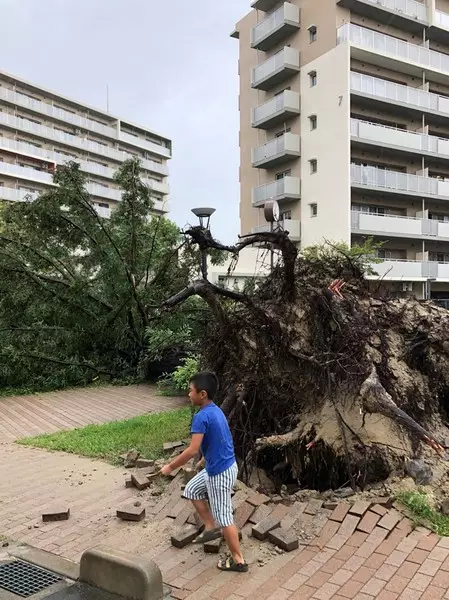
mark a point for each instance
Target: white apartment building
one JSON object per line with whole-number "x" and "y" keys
{"x": 40, "y": 129}
{"x": 344, "y": 120}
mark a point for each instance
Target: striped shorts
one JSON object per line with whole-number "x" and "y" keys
{"x": 217, "y": 489}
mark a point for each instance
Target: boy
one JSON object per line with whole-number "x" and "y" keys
{"x": 211, "y": 435}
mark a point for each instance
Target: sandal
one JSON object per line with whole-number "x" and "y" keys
{"x": 230, "y": 565}
{"x": 208, "y": 536}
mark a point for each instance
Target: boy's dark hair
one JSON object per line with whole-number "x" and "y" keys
{"x": 206, "y": 381}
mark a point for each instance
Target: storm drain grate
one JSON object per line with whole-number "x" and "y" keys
{"x": 24, "y": 580}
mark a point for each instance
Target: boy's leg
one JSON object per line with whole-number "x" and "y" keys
{"x": 219, "y": 488}
{"x": 196, "y": 491}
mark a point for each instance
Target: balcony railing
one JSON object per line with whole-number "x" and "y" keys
{"x": 398, "y": 49}
{"x": 146, "y": 144}
{"x": 15, "y": 195}
{"x": 395, "y": 92}
{"x": 287, "y": 187}
{"x": 275, "y": 27}
{"x": 395, "y": 181}
{"x": 409, "y": 141}
{"x": 400, "y": 226}
{"x": 14, "y": 170}
{"x": 411, "y": 8}
{"x": 281, "y": 148}
{"x": 442, "y": 19}
{"x": 68, "y": 139}
{"x": 276, "y": 110}
{"x": 276, "y": 69}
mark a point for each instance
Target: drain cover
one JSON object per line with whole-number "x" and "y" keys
{"x": 24, "y": 579}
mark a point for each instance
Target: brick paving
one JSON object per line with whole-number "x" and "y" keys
{"x": 22, "y": 416}
{"x": 354, "y": 556}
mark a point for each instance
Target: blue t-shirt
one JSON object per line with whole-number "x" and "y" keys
{"x": 217, "y": 446}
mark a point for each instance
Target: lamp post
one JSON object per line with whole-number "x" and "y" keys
{"x": 204, "y": 214}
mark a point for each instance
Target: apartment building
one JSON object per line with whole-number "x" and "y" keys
{"x": 40, "y": 129}
{"x": 344, "y": 120}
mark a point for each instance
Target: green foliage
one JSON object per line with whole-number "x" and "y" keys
{"x": 362, "y": 257}
{"x": 77, "y": 292}
{"x": 423, "y": 513}
{"x": 147, "y": 434}
{"x": 178, "y": 382}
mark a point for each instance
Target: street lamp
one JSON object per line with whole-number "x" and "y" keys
{"x": 204, "y": 214}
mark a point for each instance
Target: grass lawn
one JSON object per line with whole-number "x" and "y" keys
{"x": 147, "y": 434}
{"x": 422, "y": 513}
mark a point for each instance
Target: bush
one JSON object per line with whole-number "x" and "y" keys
{"x": 178, "y": 382}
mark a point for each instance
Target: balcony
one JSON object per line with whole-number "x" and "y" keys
{"x": 397, "y": 226}
{"x": 15, "y": 195}
{"x": 406, "y": 14}
{"x": 277, "y": 110}
{"x": 395, "y": 182}
{"x": 145, "y": 144}
{"x": 389, "y": 52}
{"x": 292, "y": 226}
{"x": 276, "y": 27}
{"x": 287, "y": 188}
{"x": 418, "y": 144}
{"x": 281, "y": 149}
{"x": 406, "y": 270}
{"x": 276, "y": 69}
{"x": 387, "y": 92}
{"x": 264, "y": 5}
{"x": 28, "y": 173}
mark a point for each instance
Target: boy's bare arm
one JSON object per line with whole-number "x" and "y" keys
{"x": 187, "y": 455}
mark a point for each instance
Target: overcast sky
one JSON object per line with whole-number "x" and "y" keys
{"x": 170, "y": 65}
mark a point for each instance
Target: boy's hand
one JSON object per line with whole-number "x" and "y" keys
{"x": 166, "y": 470}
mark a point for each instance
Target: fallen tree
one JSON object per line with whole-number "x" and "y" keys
{"x": 322, "y": 389}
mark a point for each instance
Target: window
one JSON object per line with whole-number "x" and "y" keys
{"x": 312, "y": 34}
{"x": 313, "y": 78}
{"x": 313, "y": 166}
{"x": 281, "y": 133}
{"x": 103, "y": 205}
{"x": 313, "y": 122}
{"x": 441, "y": 257}
{"x": 287, "y": 214}
{"x": 283, "y": 174}
{"x": 313, "y": 210}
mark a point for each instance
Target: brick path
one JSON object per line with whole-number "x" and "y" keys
{"x": 22, "y": 416}
{"x": 387, "y": 561}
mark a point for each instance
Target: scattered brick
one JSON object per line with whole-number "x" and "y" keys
{"x": 369, "y": 522}
{"x": 131, "y": 513}
{"x": 330, "y": 505}
{"x": 294, "y": 515}
{"x": 386, "y": 501}
{"x": 140, "y": 481}
{"x": 183, "y": 537}
{"x": 242, "y": 514}
{"x": 176, "y": 509}
{"x": 262, "y": 529}
{"x": 379, "y": 509}
{"x": 172, "y": 445}
{"x": 129, "y": 482}
{"x": 56, "y": 514}
{"x": 261, "y": 513}
{"x": 257, "y": 499}
{"x": 327, "y": 533}
{"x": 349, "y": 525}
{"x": 183, "y": 516}
{"x": 145, "y": 471}
{"x": 174, "y": 473}
{"x": 389, "y": 521}
{"x": 188, "y": 474}
{"x": 213, "y": 547}
{"x": 283, "y": 539}
{"x": 143, "y": 463}
{"x": 313, "y": 507}
{"x": 359, "y": 508}
{"x": 340, "y": 512}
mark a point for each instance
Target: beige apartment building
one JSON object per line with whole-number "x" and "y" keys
{"x": 344, "y": 120}
{"x": 40, "y": 129}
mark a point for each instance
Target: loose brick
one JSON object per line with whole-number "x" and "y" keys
{"x": 261, "y": 513}
{"x": 349, "y": 525}
{"x": 386, "y": 501}
{"x": 257, "y": 499}
{"x": 213, "y": 547}
{"x": 183, "y": 516}
{"x": 359, "y": 508}
{"x": 328, "y": 532}
{"x": 56, "y": 514}
{"x": 389, "y": 521}
{"x": 262, "y": 529}
{"x": 283, "y": 539}
{"x": 175, "y": 472}
{"x": 188, "y": 474}
{"x": 379, "y": 510}
{"x": 131, "y": 513}
{"x": 313, "y": 507}
{"x": 183, "y": 537}
{"x": 143, "y": 463}
{"x": 369, "y": 522}
{"x": 330, "y": 505}
{"x": 172, "y": 445}
{"x": 340, "y": 512}
{"x": 295, "y": 513}
{"x": 242, "y": 514}
{"x": 140, "y": 481}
